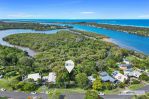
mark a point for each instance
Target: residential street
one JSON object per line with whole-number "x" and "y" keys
{"x": 145, "y": 88}
{"x": 117, "y": 96}
{"x": 81, "y": 96}
{"x": 21, "y": 95}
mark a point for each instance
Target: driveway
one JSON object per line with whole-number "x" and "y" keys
{"x": 21, "y": 95}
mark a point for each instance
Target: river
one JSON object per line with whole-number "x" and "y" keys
{"x": 4, "y": 33}
{"x": 125, "y": 40}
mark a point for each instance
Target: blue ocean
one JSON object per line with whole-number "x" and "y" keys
{"x": 127, "y": 22}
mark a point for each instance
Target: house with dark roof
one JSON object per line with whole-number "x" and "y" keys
{"x": 105, "y": 77}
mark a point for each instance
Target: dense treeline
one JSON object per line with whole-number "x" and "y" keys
{"x": 88, "y": 34}
{"x": 34, "y": 26}
{"x": 90, "y": 55}
{"x": 14, "y": 65}
{"x": 129, "y": 29}
{"x": 55, "y": 49}
{"x": 13, "y": 61}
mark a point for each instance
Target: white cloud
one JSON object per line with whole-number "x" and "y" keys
{"x": 87, "y": 12}
{"x": 144, "y": 16}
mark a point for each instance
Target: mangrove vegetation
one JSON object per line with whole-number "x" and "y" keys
{"x": 143, "y": 31}
{"x": 33, "y": 26}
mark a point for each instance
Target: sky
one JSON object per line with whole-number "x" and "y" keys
{"x": 74, "y": 9}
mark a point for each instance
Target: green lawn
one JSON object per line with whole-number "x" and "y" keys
{"x": 55, "y": 92}
{"x": 117, "y": 90}
{"x": 71, "y": 90}
{"x": 135, "y": 86}
{"x": 62, "y": 90}
{"x": 114, "y": 91}
{"x": 3, "y": 98}
{"x": 4, "y": 84}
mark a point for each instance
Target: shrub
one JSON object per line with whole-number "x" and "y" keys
{"x": 134, "y": 81}
{"x": 91, "y": 95}
{"x": 144, "y": 77}
{"x": 97, "y": 84}
{"x": 121, "y": 85}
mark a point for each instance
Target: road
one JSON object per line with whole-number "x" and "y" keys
{"x": 145, "y": 88}
{"x": 21, "y": 95}
{"x": 116, "y": 96}
{"x": 81, "y": 96}
{"x": 72, "y": 96}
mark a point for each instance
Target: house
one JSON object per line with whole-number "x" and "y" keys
{"x": 91, "y": 79}
{"x": 140, "y": 70}
{"x": 126, "y": 61}
{"x": 52, "y": 77}
{"x": 124, "y": 66}
{"x": 45, "y": 78}
{"x": 35, "y": 76}
{"x": 106, "y": 77}
{"x": 132, "y": 73}
{"x": 120, "y": 77}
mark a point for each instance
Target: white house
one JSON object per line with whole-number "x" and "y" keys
{"x": 120, "y": 77}
{"x": 69, "y": 65}
{"x": 132, "y": 73}
{"x": 126, "y": 61}
{"x": 45, "y": 77}
{"x": 91, "y": 79}
{"x": 52, "y": 77}
{"x": 35, "y": 76}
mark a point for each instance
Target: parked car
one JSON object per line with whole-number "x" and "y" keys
{"x": 33, "y": 93}
{"x": 101, "y": 94}
{"x": 2, "y": 89}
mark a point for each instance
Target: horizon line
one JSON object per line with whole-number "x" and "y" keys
{"x": 73, "y": 19}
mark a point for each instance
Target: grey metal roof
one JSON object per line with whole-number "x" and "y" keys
{"x": 106, "y": 77}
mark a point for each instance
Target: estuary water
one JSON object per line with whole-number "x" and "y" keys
{"x": 130, "y": 41}
{"x": 4, "y": 33}
{"x": 125, "y": 40}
